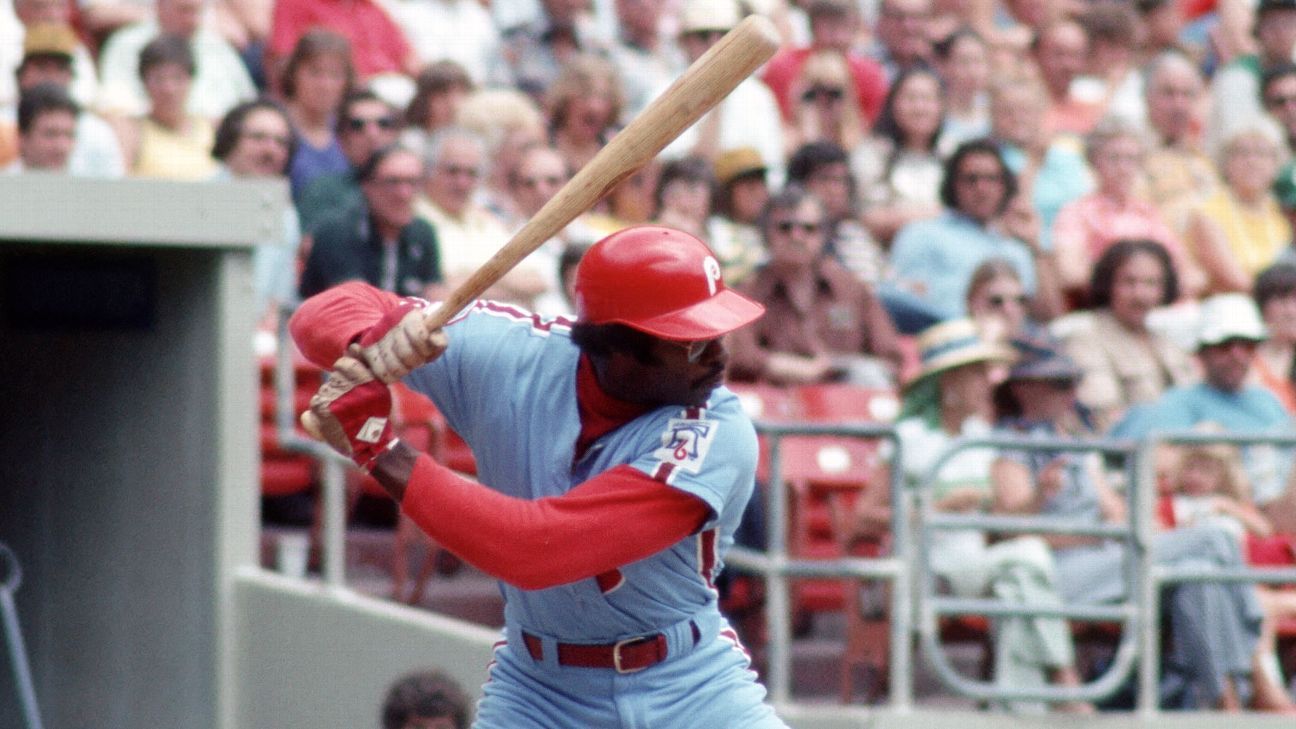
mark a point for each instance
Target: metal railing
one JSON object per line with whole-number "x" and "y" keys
{"x": 932, "y": 606}
{"x": 778, "y": 567}
{"x": 333, "y": 466}
{"x": 1160, "y": 576}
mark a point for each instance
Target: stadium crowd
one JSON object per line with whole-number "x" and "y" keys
{"x": 1071, "y": 217}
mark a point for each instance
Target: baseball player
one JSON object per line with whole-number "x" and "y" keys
{"x": 614, "y": 469}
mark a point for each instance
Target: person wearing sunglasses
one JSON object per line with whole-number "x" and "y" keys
{"x": 382, "y": 240}
{"x": 934, "y": 258}
{"x": 821, "y": 322}
{"x": 614, "y": 470}
{"x": 835, "y": 27}
{"x": 365, "y": 124}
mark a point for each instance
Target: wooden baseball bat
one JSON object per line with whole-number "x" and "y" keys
{"x": 703, "y": 85}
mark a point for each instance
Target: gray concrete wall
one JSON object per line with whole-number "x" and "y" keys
{"x": 311, "y": 656}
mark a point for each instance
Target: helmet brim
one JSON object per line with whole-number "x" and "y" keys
{"x": 726, "y": 311}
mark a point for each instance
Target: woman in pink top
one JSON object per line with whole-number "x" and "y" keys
{"x": 1088, "y": 226}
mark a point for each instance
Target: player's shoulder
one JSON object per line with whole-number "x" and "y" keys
{"x": 505, "y": 317}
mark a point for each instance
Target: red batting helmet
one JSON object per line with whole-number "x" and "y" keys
{"x": 660, "y": 281}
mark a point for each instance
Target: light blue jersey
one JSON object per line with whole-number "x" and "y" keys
{"x": 507, "y": 385}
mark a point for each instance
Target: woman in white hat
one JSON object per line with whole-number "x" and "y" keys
{"x": 951, "y": 398}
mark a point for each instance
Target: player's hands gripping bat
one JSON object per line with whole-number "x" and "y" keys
{"x": 400, "y": 342}
{"x": 352, "y": 412}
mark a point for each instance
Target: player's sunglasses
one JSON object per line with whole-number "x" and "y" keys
{"x": 694, "y": 350}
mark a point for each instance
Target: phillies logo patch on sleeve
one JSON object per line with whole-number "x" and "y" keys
{"x": 685, "y": 443}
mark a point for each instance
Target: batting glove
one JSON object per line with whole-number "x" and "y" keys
{"x": 400, "y": 342}
{"x": 352, "y": 413}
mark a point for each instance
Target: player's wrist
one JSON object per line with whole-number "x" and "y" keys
{"x": 393, "y": 467}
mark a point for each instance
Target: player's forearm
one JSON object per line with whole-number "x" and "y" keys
{"x": 326, "y": 323}
{"x": 608, "y": 522}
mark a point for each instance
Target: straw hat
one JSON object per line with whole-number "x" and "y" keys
{"x": 734, "y": 163}
{"x": 50, "y": 39}
{"x": 955, "y": 343}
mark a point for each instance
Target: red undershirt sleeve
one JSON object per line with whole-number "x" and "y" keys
{"x": 611, "y": 520}
{"x": 327, "y": 322}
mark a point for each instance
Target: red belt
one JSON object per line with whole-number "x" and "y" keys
{"x": 626, "y": 656}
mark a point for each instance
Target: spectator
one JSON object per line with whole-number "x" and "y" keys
{"x": 682, "y": 199}
{"x": 255, "y": 141}
{"x": 934, "y": 259}
{"x": 468, "y": 233}
{"x": 822, "y": 168}
{"x": 823, "y": 104}
{"x": 534, "y": 53}
{"x": 820, "y": 322}
{"x": 902, "y": 39}
{"x": 382, "y": 241}
{"x": 899, "y": 169}
{"x": 1061, "y": 52}
{"x": 747, "y": 117}
{"x": 1113, "y": 30}
{"x": 1178, "y": 175}
{"x": 379, "y": 49}
{"x": 963, "y": 59}
{"x": 84, "y": 86}
{"x": 732, "y": 230}
{"x": 1088, "y": 226}
{"x": 509, "y": 122}
{"x": 48, "y": 53}
{"x": 47, "y": 120}
{"x": 1050, "y": 172}
{"x": 167, "y": 141}
{"x": 1235, "y": 90}
{"x": 834, "y": 26}
{"x": 539, "y": 175}
{"x": 316, "y": 78}
{"x": 645, "y": 59}
{"x": 1125, "y": 363}
{"x": 439, "y": 92}
{"x": 1278, "y": 93}
{"x": 1228, "y": 336}
{"x": 365, "y": 124}
{"x": 426, "y": 700}
{"x": 997, "y": 302}
{"x": 1209, "y": 488}
{"x": 583, "y": 105}
{"x": 949, "y": 399}
{"x": 1275, "y": 363}
{"x": 1216, "y": 625}
{"x": 219, "y": 79}
{"x": 1240, "y": 230}
{"x": 458, "y": 31}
